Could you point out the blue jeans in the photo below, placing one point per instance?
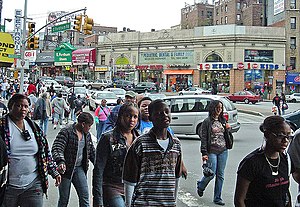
(28, 197)
(44, 125)
(117, 201)
(217, 163)
(99, 128)
(73, 116)
(58, 118)
(79, 181)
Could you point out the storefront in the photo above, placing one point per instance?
(45, 62)
(7, 49)
(124, 69)
(84, 60)
(102, 72)
(292, 82)
(150, 73)
(63, 59)
(178, 79)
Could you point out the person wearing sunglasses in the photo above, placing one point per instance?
(263, 175)
(29, 158)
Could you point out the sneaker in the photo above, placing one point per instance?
(220, 203)
(200, 192)
(54, 127)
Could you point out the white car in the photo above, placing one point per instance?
(194, 91)
(47, 83)
(98, 96)
(188, 112)
(81, 83)
(295, 97)
(118, 91)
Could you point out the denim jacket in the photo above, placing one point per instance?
(110, 155)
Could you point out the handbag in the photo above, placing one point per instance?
(228, 139)
(207, 171)
(285, 106)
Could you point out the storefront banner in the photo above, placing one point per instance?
(84, 56)
(264, 56)
(63, 54)
(239, 65)
(215, 66)
(293, 78)
(45, 59)
(179, 72)
(18, 30)
(7, 47)
(149, 67)
(101, 68)
(167, 57)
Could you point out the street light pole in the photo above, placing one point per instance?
(23, 45)
(6, 19)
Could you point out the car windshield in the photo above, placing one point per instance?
(79, 90)
(106, 96)
(119, 92)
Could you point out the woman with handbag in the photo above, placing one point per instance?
(214, 135)
(263, 175)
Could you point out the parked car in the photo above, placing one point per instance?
(244, 96)
(96, 98)
(120, 93)
(143, 87)
(125, 84)
(81, 83)
(188, 112)
(295, 97)
(98, 84)
(194, 91)
(48, 82)
(65, 81)
(155, 96)
(294, 119)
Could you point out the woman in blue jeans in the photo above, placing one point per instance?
(214, 149)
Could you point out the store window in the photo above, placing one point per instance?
(293, 22)
(214, 58)
(258, 81)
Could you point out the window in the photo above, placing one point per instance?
(293, 62)
(217, 22)
(226, 20)
(293, 42)
(226, 8)
(238, 17)
(81, 41)
(209, 14)
(217, 11)
(238, 5)
(202, 13)
(222, 8)
(293, 22)
(293, 4)
(221, 20)
(102, 59)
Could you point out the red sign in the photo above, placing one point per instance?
(240, 66)
(84, 56)
(149, 67)
(297, 79)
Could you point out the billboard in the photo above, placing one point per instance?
(278, 6)
(265, 56)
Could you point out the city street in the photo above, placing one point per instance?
(246, 140)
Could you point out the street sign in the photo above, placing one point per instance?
(14, 56)
(61, 27)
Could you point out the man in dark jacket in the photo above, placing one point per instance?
(72, 149)
(276, 102)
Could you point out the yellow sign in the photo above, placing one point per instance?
(104, 68)
(7, 48)
(122, 61)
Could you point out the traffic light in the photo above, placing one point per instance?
(88, 25)
(31, 27)
(77, 23)
(33, 43)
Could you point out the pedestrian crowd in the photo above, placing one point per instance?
(138, 161)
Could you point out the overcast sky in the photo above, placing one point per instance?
(137, 15)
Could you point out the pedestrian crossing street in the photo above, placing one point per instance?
(250, 119)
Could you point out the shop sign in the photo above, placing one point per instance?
(17, 30)
(293, 78)
(62, 58)
(178, 66)
(149, 67)
(167, 57)
(262, 66)
(125, 67)
(84, 56)
(7, 48)
(101, 68)
(30, 55)
(214, 66)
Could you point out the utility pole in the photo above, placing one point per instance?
(23, 45)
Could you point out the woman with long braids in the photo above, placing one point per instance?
(263, 175)
(214, 149)
(108, 188)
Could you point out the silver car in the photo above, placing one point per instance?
(188, 112)
(97, 97)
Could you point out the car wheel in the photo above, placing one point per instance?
(233, 101)
(102, 88)
(90, 87)
(246, 101)
(180, 94)
(253, 102)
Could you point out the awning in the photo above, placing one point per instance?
(174, 72)
(84, 56)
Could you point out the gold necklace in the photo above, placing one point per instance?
(273, 166)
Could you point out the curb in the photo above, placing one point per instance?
(251, 112)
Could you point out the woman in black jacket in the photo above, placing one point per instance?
(72, 149)
(214, 149)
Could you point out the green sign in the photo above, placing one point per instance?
(14, 56)
(63, 54)
(61, 27)
(2, 28)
